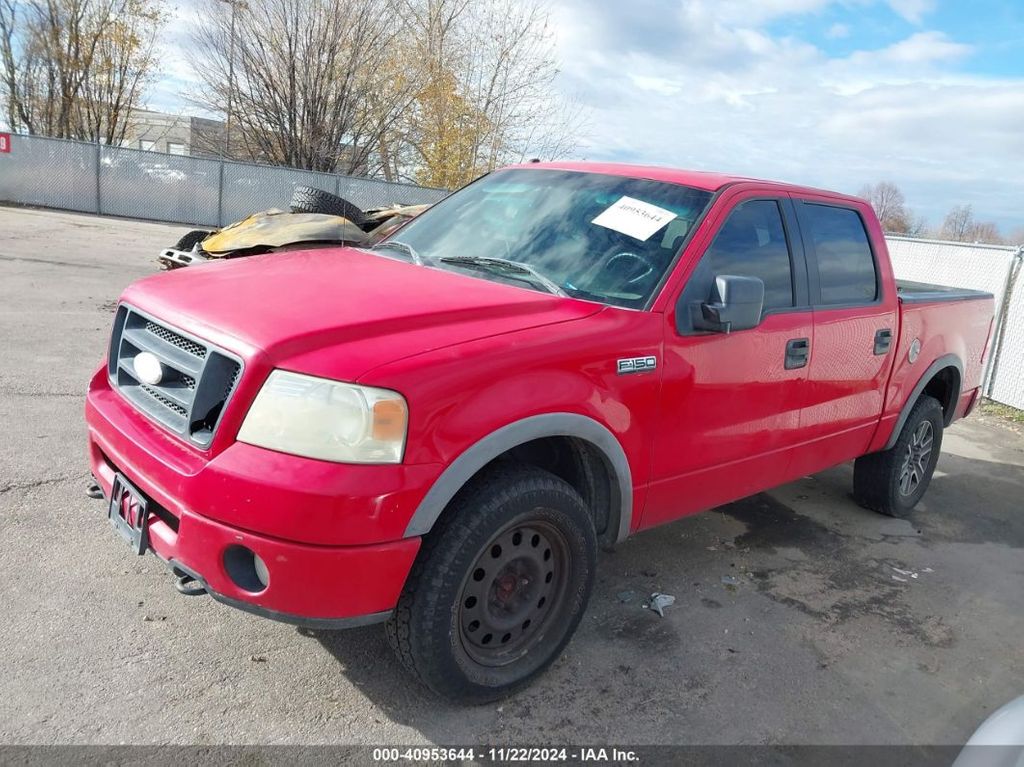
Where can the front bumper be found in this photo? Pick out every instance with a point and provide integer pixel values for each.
(320, 585)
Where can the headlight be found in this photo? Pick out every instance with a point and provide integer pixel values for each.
(329, 420)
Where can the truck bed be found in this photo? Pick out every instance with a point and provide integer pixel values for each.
(923, 292)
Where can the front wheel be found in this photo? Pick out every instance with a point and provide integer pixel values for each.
(893, 481)
(499, 586)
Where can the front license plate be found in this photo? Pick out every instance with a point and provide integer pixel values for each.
(129, 514)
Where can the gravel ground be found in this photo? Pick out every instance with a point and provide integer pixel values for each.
(833, 624)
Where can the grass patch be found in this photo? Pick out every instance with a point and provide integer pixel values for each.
(989, 407)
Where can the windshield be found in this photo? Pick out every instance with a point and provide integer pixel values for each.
(598, 237)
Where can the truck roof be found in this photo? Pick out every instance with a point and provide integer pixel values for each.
(709, 181)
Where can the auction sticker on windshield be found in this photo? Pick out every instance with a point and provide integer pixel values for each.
(634, 218)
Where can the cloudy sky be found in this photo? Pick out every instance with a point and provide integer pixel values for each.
(835, 93)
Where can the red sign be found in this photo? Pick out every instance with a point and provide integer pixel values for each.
(5, 142)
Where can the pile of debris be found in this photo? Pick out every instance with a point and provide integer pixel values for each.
(315, 219)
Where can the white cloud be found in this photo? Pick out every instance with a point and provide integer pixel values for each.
(924, 47)
(913, 11)
(760, 11)
(837, 31)
(660, 86)
(175, 56)
(731, 97)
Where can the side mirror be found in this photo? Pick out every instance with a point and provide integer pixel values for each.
(736, 304)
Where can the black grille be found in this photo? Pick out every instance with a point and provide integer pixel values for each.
(232, 382)
(196, 380)
(167, 403)
(196, 350)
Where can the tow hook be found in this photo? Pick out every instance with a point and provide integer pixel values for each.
(188, 585)
(93, 490)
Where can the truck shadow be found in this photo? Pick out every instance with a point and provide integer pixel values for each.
(974, 501)
(746, 576)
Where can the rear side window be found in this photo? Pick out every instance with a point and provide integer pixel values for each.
(751, 243)
(846, 268)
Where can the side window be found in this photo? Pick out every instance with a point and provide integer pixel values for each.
(751, 243)
(846, 268)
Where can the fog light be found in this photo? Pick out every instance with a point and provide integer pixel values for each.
(246, 569)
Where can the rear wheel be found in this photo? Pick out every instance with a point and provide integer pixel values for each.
(499, 586)
(893, 481)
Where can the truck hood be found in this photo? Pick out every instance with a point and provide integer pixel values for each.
(340, 312)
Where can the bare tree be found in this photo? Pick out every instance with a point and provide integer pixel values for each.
(486, 70)
(987, 232)
(889, 205)
(123, 67)
(917, 226)
(960, 226)
(958, 223)
(312, 83)
(511, 74)
(439, 130)
(392, 157)
(76, 68)
(437, 91)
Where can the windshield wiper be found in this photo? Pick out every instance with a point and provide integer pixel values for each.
(402, 247)
(503, 265)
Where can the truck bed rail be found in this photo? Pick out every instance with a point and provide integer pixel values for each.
(923, 292)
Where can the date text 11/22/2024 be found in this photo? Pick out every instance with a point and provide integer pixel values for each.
(503, 754)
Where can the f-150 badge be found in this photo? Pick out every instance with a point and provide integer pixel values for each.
(637, 365)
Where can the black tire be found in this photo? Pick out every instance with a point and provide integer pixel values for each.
(306, 199)
(191, 239)
(893, 481)
(492, 540)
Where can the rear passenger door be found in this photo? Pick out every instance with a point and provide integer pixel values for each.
(855, 327)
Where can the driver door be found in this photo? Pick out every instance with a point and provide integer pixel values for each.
(731, 402)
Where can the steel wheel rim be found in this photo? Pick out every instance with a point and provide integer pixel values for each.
(916, 458)
(512, 592)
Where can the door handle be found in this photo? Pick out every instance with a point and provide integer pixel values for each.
(883, 341)
(798, 351)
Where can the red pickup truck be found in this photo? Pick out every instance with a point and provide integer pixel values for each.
(439, 432)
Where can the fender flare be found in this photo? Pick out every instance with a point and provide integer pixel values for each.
(481, 453)
(946, 361)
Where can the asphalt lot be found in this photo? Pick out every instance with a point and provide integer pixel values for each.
(842, 627)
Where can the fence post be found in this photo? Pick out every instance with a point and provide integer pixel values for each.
(1001, 318)
(220, 195)
(99, 158)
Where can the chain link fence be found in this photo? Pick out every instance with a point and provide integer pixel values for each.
(1006, 366)
(992, 268)
(118, 181)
